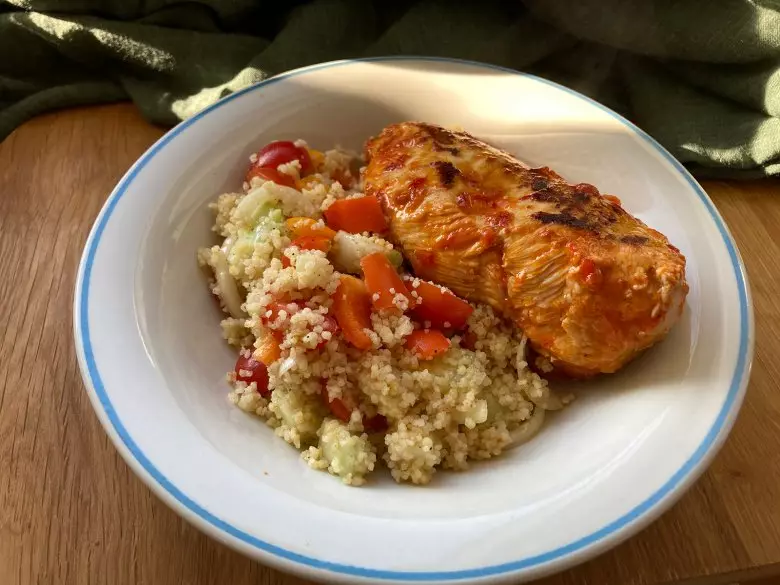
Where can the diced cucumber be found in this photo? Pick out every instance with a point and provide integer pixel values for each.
(255, 203)
(270, 219)
(349, 456)
(348, 249)
(301, 414)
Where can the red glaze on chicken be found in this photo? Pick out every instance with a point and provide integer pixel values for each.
(589, 284)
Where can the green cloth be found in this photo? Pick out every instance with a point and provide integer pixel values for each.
(701, 76)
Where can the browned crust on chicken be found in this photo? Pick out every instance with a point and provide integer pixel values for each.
(590, 285)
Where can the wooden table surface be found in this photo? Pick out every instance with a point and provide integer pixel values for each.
(71, 511)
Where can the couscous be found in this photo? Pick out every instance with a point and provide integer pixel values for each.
(349, 357)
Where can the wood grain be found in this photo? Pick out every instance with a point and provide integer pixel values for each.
(72, 512)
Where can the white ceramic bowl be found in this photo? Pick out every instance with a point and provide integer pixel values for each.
(153, 359)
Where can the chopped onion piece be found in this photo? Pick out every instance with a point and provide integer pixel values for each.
(227, 245)
(286, 365)
(528, 430)
(228, 288)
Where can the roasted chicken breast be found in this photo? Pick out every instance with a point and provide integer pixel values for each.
(589, 284)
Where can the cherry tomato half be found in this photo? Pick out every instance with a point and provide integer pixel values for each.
(276, 307)
(269, 174)
(249, 370)
(281, 152)
(375, 424)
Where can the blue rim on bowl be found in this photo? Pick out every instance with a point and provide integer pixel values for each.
(593, 543)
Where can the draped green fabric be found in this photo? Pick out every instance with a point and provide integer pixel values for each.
(701, 76)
